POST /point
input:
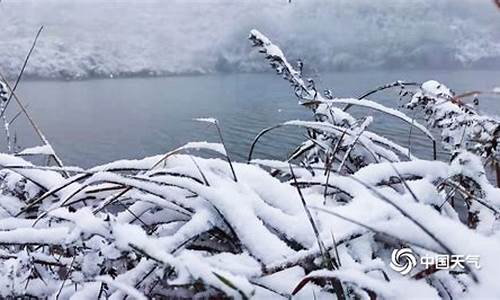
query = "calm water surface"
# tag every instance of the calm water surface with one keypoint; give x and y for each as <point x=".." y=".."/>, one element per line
<point x="96" y="121"/>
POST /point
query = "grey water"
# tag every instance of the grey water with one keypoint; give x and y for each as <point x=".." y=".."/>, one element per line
<point x="95" y="121"/>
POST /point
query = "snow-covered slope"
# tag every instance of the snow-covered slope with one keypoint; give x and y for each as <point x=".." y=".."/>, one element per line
<point x="86" y="38"/>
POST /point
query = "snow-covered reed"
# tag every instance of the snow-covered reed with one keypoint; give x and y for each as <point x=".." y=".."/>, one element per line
<point x="324" y="222"/>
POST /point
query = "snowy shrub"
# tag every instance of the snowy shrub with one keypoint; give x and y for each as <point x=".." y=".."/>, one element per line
<point x="461" y="126"/>
<point x="4" y="92"/>
<point x="4" y="98"/>
<point x="323" y="223"/>
<point x="335" y="137"/>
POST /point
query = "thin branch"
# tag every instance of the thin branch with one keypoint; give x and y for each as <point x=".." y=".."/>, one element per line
<point x="219" y="131"/>
<point x="331" y="262"/>
<point x="25" y="63"/>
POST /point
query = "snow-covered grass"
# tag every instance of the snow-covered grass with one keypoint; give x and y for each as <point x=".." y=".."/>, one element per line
<point x="322" y="223"/>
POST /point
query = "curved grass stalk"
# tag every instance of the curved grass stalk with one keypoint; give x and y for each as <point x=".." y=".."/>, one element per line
<point x="389" y="111"/>
<point x="311" y="125"/>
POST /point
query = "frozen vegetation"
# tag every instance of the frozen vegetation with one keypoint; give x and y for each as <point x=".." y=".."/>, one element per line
<point x="322" y="223"/>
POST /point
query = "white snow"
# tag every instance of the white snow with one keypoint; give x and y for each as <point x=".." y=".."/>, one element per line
<point x="376" y="106"/>
<point x="134" y="228"/>
<point x="207" y="120"/>
<point x="136" y="34"/>
<point x="216" y="147"/>
<point x="49" y="236"/>
<point x="44" y="150"/>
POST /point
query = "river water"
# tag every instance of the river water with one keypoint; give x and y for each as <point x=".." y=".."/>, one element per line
<point x="95" y="121"/>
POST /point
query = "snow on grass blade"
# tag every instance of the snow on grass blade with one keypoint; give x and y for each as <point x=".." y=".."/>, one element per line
<point x="219" y="148"/>
<point x="390" y="111"/>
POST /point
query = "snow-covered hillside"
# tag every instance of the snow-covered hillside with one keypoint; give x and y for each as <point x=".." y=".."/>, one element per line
<point x="176" y="37"/>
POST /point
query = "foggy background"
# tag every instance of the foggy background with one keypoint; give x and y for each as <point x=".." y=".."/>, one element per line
<point x="86" y="38"/>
